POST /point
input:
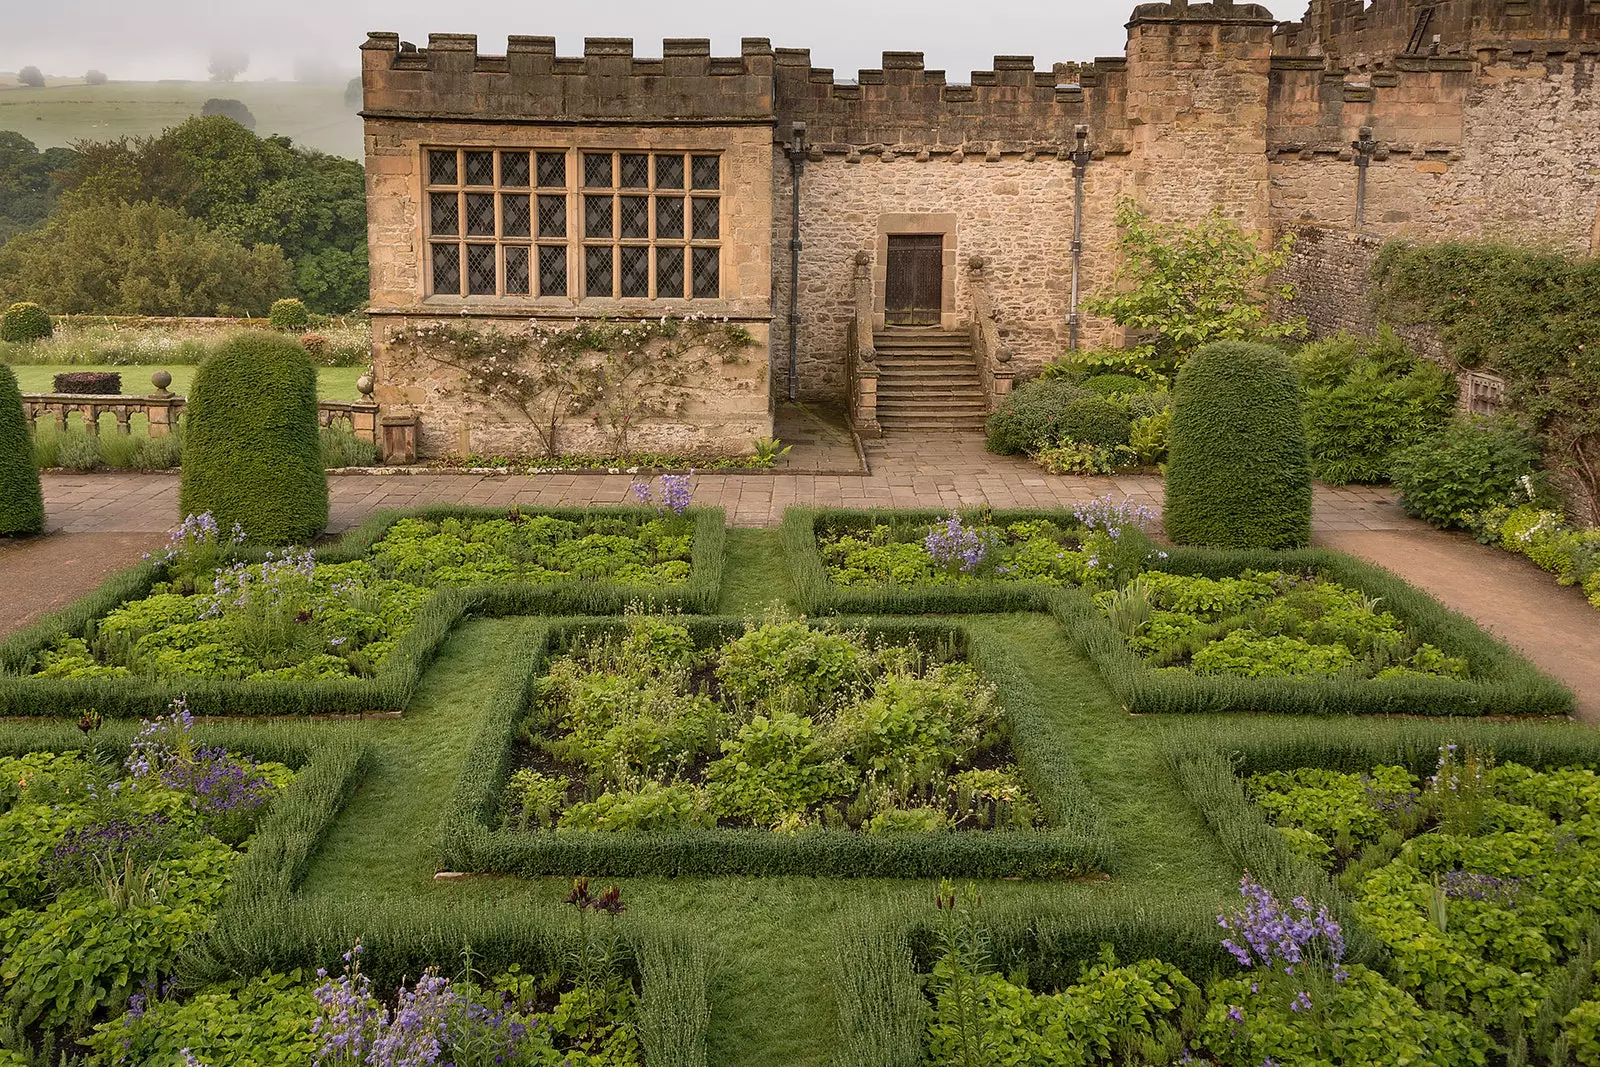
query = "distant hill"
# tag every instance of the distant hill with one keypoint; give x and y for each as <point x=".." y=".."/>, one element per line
<point x="67" y="110"/>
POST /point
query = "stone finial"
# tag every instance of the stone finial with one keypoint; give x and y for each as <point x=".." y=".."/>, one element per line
<point x="161" y="379"/>
<point x="364" y="385"/>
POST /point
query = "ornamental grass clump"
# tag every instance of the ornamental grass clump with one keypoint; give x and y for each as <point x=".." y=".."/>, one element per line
<point x="253" y="452"/>
<point x="1238" y="472"/>
<point x="21" y="499"/>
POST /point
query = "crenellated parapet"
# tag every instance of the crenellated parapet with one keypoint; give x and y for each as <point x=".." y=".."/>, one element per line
<point x="1365" y="30"/>
<point x="904" y="108"/>
<point x="530" y="83"/>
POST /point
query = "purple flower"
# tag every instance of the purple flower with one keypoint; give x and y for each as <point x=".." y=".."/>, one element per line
<point x="1276" y="937"/>
<point x="952" y="543"/>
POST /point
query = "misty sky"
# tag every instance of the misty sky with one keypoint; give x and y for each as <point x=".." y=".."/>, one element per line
<point x="149" y="39"/>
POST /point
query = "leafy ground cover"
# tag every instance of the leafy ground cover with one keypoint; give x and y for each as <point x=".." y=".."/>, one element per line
<point x="785" y="727"/>
<point x="1269" y="624"/>
<point x="111" y="869"/>
<point x="292" y="617"/>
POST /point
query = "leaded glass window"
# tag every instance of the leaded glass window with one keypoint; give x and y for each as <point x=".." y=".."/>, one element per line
<point x="551" y="222"/>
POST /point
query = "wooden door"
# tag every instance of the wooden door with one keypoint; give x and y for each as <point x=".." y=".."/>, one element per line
<point x="914" y="282"/>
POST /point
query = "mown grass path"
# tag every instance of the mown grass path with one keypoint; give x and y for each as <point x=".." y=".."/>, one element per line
<point x="774" y="937"/>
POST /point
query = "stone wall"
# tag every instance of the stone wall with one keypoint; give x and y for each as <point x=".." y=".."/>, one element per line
<point x="1358" y="28"/>
<point x="730" y="407"/>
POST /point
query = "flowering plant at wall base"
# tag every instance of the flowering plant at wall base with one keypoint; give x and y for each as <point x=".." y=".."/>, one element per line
<point x="1544" y="536"/>
<point x="786" y="727"/>
<point x="1268" y="624"/>
<point x="617" y="373"/>
<point x="291" y="616"/>
<point x="1095" y="544"/>
<point x="110" y="871"/>
<point x="1294" y="1003"/>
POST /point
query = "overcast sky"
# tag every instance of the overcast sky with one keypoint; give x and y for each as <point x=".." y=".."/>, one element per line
<point x="148" y="39"/>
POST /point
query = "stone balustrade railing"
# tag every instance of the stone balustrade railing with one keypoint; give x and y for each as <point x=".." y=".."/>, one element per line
<point x="861" y="356"/>
<point x="163" y="408"/>
<point x="995" y="368"/>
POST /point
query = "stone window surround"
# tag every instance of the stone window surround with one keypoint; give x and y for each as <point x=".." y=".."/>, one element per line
<point x="943" y="224"/>
<point x="574" y="241"/>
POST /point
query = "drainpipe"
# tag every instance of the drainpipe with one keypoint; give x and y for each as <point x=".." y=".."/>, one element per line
<point x="797" y="159"/>
<point x="1080" y="169"/>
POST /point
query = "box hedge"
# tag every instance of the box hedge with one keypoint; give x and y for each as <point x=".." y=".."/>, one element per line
<point x="253" y="454"/>
<point x="25" y="321"/>
<point x="21" y="500"/>
<point x="1238" y="473"/>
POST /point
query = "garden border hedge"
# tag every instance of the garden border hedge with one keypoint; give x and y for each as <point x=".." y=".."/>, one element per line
<point x="1504" y="682"/>
<point x="815" y="593"/>
<point x="1077" y="840"/>
<point x="391" y="689"/>
<point x="261" y="922"/>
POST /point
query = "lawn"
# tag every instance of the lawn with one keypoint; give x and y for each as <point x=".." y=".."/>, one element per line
<point x="313" y="115"/>
<point x="333" y="383"/>
<point x="792" y="957"/>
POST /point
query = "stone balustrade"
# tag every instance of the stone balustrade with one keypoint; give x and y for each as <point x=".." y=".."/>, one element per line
<point x="995" y="367"/>
<point x="162" y="409"/>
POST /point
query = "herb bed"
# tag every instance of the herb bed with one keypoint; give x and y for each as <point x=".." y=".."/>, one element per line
<point x="455" y="574"/>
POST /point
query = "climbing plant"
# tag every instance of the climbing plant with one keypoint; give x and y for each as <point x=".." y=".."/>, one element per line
<point x="1528" y="316"/>
<point x="619" y="373"/>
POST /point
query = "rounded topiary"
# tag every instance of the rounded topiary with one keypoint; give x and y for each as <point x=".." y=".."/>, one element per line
<point x="26" y="321"/>
<point x="252" y="453"/>
<point x="1116" y="385"/>
<point x="289" y="314"/>
<point x="1093" y="421"/>
<point x="1238" y="473"/>
<point x="1030" y="418"/>
<point x="21" y="502"/>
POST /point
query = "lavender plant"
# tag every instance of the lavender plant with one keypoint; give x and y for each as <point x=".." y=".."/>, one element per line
<point x="954" y="546"/>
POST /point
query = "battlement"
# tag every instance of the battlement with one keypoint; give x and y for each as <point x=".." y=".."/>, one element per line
<point x="1385" y="28"/>
<point x="902" y="103"/>
<point x="1218" y="11"/>
<point x="531" y="83"/>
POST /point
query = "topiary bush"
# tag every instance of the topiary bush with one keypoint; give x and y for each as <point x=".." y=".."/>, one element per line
<point x="1238" y="473"/>
<point x="252" y="453"/>
<point x="25" y="321"/>
<point x="1116" y="385"/>
<point x="1467" y="468"/>
<point x="1093" y="420"/>
<point x="88" y="383"/>
<point x="1029" y="419"/>
<point x="21" y="502"/>
<point x="289" y="314"/>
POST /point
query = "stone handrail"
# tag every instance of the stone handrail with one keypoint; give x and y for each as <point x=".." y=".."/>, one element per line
<point x="162" y="409"/>
<point x="995" y="369"/>
<point x="861" y="356"/>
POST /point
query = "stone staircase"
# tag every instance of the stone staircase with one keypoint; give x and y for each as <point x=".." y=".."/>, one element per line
<point x="927" y="380"/>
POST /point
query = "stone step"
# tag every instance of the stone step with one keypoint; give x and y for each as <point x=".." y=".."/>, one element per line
<point x="934" y="407"/>
<point x="951" y="377"/>
<point x="961" y="363"/>
<point x="889" y="422"/>
<point x="921" y="344"/>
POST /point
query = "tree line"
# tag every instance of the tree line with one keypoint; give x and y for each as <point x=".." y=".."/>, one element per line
<point x="204" y="219"/>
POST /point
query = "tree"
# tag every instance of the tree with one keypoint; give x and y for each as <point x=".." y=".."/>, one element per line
<point x="227" y="64"/>
<point x="138" y="259"/>
<point x="255" y="190"/>
<point x="233" y="109"/>
<point x="1188" y="286"/>
<point x="30" y="182"/>
<point x="95" y="77"/>
<point x="31" y="76"/>
<point x="353" y="93"/>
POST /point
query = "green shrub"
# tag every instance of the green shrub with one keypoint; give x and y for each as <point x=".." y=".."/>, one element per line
<point x="77" y="451"/>
<point x="289" y="314"/>
<point x="160" y="453"/>
<point x="1030" y="417"/>
<point x="1467" y="468"/>
<point x="342" y="448"/>
<point x="1093" y="421"/>
<point x="21" y="501"/>
<point x="25" y="321"/>
<point x="252" y="453"/>
<point x="1365" y="400"/>
<point x="1238" y="474"/>
<point x="1116" y="385"/>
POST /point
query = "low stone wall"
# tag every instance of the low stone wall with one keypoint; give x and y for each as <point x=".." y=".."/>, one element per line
<point x="728" y="404"/>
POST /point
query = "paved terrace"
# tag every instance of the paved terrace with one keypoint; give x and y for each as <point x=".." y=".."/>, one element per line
<point x="102" y="523"/>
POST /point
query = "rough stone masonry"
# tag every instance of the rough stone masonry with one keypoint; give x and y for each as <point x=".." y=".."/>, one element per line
<point x="531" y="185"/>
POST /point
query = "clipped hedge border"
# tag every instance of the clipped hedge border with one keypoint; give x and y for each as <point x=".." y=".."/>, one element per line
<point x="396" y="680"/>
<point x="881" y="960"/>
<point x="815" y="593"/>
<point x="1504" y="683"/>
<point x="1077" y="840"/>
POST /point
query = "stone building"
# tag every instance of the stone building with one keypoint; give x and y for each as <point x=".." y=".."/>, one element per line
<point x="928" y="257"/>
